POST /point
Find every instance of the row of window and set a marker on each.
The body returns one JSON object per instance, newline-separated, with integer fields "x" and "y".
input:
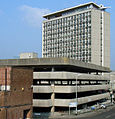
{"x": 84, "y": 59}
{"x": 73, "y": 24}
{"x": 58, "y": 37}
{"x": 67, "y": 31}
{"x": 70, "y": 18}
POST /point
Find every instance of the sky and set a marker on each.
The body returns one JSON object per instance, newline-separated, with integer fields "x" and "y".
{"x": 21, "y": 24}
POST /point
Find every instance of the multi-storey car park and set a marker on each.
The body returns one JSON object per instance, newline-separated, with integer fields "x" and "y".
{"x": 81, "y": 32}
{"x": 57, "y": 82}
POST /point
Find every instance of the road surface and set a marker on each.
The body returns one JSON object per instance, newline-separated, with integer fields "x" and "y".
{"x": 108, "y": 113}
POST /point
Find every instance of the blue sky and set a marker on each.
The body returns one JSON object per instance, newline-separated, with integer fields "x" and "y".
{"x": 20, "y": 24}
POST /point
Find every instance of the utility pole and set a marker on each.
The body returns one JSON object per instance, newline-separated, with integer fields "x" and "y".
{"x": 76, "y": 94}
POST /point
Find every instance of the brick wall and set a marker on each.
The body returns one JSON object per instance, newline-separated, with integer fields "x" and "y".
{"x": 2, "y": 75}
{"x": 14, "y": 112}
{"x": 19, "y": 98}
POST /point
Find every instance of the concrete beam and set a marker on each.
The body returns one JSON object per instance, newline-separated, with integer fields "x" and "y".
{"x": 65, "y": 102}
{"x": 87, "y": 99}
{"x": 42, "y": 89}
{"x": 68, "y": 89}
{"x": 67, "y": 75}
{"x": 42, "y": 103}
{"x": 72, "y": 89}
{"x": 54, "y": 62}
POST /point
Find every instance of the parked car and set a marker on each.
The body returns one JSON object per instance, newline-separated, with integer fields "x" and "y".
{"x": 103, "y": 106}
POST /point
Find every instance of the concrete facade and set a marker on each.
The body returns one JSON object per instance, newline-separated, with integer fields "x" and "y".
{"x": 81, "y": 32}
{"x": 67, "y": 63}
{"x": 60, "y": 89}
{"x": 54, "y": 82}
{"x": 106, "y": 40}
{"x": 16, "y": 101}
{"x": 95, "y": 36}
{"x": 112, "y": 84}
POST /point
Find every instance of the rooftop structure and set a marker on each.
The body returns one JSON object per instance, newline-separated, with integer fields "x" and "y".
{"x": 73, "y": 9}
{"x": 28, "y": 55}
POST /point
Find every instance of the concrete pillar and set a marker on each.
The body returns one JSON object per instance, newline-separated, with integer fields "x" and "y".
{"x": 79, "y": 82}
{"x": 52, "y": 69}
{"x": 96, "y": 73}
{"x": 53, "y": 107}
{"x": 96, "y": 82}
{"x": 53, "y": 98}
{"x": 52, "y": 95}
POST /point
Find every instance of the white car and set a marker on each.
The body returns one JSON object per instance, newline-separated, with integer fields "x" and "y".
{"x": 103, "y": 106}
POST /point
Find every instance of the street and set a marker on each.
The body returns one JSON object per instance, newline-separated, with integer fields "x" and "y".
{"x": 108, "y": 113}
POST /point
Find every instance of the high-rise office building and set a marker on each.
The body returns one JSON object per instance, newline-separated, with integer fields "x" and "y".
{"x": 81, "y": 32}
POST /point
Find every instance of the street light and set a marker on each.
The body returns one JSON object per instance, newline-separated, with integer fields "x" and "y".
{"x": 76, "y": 92}
{"x": 74, "y": 104}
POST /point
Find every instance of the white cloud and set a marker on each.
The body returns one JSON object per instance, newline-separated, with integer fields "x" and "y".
{"x": 33, "y": 16}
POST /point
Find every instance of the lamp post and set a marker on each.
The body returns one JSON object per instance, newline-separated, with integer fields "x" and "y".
{"x": 76, "y": 93}
{"x": 111, "y": 89}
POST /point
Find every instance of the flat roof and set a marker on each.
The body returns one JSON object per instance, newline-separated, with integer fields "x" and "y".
{"x": 60, "y": 64}
{"x": 72, "y": 8}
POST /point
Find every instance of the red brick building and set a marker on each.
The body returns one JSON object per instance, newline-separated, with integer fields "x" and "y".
{"x": 15, "y": 92}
